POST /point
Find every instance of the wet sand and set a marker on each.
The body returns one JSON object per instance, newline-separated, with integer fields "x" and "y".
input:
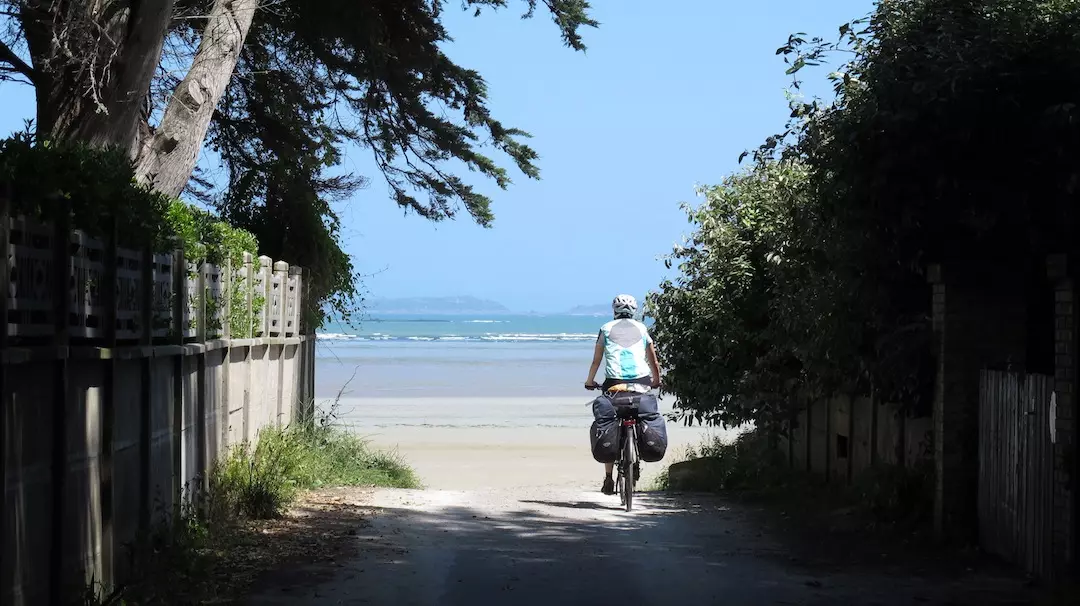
{"x": 471, "y": 443}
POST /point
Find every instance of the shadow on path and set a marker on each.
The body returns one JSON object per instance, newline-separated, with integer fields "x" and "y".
{"x": 452, "y": 548}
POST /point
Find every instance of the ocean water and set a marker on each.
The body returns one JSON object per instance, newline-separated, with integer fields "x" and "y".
{"x": 408, "y": 381}
{"x": 457, "y": 356}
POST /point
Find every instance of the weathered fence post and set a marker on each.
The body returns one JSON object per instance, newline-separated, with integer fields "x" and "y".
{"x": 307, "y": 312}
{"x": 281, "y": 278}
{"x": 109, "y": 303}
{"x": 873, "y": 426}
{"x": 829, "y": 441}
{"x": 146, "y": 372}
{"x": 266, "y": 270}
{"x": 61, "y": 306}
{"x": 852, "y": 400}
{"x": 5, "y": 292}
{"x": 200, "y": 381}
{"x": 299, "y": 402}
{"x": 181, "y": 323}
{"x": 249, "y": 298}
{"x": 227, "y": 286}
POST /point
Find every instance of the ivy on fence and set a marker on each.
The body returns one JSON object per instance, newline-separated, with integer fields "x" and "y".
{"x": 93, "y": 192}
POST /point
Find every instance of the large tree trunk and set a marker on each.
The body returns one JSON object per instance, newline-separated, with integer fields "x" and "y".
{"x": 168, "y": 158}
{"x": 94, "y": 62}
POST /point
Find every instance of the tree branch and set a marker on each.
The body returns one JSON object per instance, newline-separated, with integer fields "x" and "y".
{"x": 8, "y": 56}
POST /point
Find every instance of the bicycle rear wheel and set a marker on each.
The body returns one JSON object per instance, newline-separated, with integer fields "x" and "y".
{"x": 628, "y": 466}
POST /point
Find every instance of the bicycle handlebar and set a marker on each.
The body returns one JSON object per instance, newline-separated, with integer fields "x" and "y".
{"x": 600, "y": 387}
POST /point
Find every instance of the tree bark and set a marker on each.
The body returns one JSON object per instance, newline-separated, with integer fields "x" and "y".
{"x": 95, "y": 66}
{"x": 167, "y": 159}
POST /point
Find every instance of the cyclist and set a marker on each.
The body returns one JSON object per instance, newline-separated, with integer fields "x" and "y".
{"x": 629, "y": 358}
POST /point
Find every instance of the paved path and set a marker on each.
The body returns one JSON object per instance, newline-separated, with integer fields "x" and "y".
{"x": 563, "y": 547}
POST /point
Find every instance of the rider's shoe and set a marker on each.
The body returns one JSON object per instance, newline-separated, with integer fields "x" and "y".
{"x": 609, "y": 486}
{"x": 637, "y": 472}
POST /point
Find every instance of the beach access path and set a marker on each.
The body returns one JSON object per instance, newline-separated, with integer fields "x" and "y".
{"x": 565, "y": 546}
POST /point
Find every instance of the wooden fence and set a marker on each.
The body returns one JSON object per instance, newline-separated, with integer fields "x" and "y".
{"x": 1016, "y": 468}
{"x": 125, "y": 374}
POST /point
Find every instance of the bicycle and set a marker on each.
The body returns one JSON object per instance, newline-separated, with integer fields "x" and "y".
{"x": 628, "y": 465}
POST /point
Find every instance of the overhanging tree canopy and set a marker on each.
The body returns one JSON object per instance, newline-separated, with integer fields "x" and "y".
{"x": 278, "y": 88}
{"x": 953, "y": 136}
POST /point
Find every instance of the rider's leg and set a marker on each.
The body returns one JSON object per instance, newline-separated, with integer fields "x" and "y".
{"x": 609, "y": 483}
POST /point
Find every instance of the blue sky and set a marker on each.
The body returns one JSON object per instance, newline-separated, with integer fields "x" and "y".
{"x": 666, "y": 97}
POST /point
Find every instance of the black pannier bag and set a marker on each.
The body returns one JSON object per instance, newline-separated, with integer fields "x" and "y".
{"x": 602, "y": 408}
{"x": 646, "y": 403}
{"x": 604, "y": 438}
{"x": 651, "y": 437}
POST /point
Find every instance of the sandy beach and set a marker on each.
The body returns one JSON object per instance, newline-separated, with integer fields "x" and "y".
{"x": 477, "y": 405}
{"x": 478, "y": 443}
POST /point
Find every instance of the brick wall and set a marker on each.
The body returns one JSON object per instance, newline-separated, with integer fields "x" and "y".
{"x": 1065, "y": 348}
{"x": 979, "y": 321}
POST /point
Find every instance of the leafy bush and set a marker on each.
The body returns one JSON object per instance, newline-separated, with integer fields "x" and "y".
{"x": 897, "y": 496}
{"x": 258, "y": 482}
{"x": 261, "y": 482}
{"x": 94, "y": 185}
{"x": 747, "y": 463}
{"x": 886, "y": 496}
{"x": 807, "y": 269}
{"x": 208, "y": 239}
{"x": 730, "y": 327}
{"x": 179, "y": 560}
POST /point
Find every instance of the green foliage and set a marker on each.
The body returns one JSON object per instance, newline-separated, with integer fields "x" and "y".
{"x": 178, "y": 560}
{"x": 208, "y": 239}
{"x": 749, "y": 463}
{"x": 96, "y": 594}
{"x": 242, "y": 323}
{"x": 48, "y": 178}
{"x": 261, "y": 482}
{"x": 372, "y": 74}
{"x": 952, "y": 137}
{"x": 258, "y": 482}
{"x": 897, "y": 496}
{"x": 308, "y": 84}
{"x": 885, "y": 497}
{"x": 95, "y": 185}
{"x": 337, "y": 457}
{"x": 727, "y": 328}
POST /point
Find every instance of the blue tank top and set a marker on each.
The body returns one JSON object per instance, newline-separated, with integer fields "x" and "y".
{"x": 625, "y": 342}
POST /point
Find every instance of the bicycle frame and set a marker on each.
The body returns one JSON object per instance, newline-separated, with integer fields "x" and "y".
{"x": 627, "y": 467}
{"x": 628, "y": 462}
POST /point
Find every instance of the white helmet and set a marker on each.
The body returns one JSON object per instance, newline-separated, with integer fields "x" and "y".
{"x": 624, "y": 305}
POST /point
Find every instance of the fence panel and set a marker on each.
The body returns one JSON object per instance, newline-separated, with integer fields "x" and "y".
{"x": 1016, "y": 468}
{"x": 116, "y": 417}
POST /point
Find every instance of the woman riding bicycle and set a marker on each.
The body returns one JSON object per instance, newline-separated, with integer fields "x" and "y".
{"x": 629, "y": 358}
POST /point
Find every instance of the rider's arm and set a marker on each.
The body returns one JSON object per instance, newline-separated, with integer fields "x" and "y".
{"x": 598, "y": 356}
{"x": 654, "y": 363}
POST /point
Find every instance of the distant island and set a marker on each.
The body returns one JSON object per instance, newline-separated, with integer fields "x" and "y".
{"x": 590, "y": 310}
{"x": 463, "y": 306}
{"x": 466, "y": 306}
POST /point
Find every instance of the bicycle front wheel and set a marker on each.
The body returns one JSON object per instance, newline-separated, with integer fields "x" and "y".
{"x": 628, "y": 466}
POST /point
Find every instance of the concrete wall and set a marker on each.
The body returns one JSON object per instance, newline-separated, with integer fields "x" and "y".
{"x": 97, "y": 445}
{"x": 871, "y": 432}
